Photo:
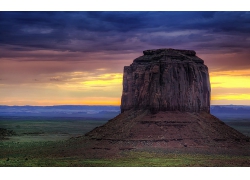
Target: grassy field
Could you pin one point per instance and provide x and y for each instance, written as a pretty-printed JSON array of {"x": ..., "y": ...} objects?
[
  {"x": 43, "y": 142},
  {"x": 54, "y": 154},
  {"x": 34, "y": 129},
  {"x": 132, "y": 159}
]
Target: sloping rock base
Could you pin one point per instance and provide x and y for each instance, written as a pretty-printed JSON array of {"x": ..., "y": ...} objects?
[
  {"x": 165, "y": 105},
  {"x": 170, "y": 129}
]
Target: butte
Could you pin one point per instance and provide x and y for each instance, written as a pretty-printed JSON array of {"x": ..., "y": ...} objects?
[{"x": 165, "y": 103}]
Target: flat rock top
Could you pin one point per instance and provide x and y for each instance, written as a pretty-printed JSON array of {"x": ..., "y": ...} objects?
[
  {"x": 169, "y": 51},
  {"x": 168, "y": 54}
]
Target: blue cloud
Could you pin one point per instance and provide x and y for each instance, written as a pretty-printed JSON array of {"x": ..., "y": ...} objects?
[{"x": 109, "y": 31}]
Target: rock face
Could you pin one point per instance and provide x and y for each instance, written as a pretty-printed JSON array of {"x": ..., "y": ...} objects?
[
  {"x": 166, "y": 80},
  {"x": 166, "y": 104}
]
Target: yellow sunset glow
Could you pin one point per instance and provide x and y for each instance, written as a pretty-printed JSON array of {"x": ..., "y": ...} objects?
[
  {"x": 86, "y": 101},
  {"x": 67, "y": 88},
  {"x": 231, "y": 97},
  {"x": 236, "y": 85},
  {"x": 227, "y": 80},
  {"x": 103, "y": 88},
  {"x": 69, "y": 101},
  {"x": 105, "y": 80}
]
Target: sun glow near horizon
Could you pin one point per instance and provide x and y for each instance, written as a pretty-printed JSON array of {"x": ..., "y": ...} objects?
[
  {"x": 230, "y": 87},
  {"x": 81, "y": 88}
]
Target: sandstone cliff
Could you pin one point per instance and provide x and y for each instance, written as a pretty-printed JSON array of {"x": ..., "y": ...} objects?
[
  {"x": 166, "y": 80},
  {"x": 166, "y": 104}
]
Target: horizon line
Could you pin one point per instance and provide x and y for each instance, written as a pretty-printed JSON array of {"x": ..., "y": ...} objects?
[{"x": 116, "y": 105}]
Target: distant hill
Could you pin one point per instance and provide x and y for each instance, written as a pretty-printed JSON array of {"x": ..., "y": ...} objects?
[
  {"x": 104, "y": 112},
  {"x": 231, "y": 109}
]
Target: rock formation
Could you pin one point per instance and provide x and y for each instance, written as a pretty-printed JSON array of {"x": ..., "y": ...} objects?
[
  {"x": 166, "y": 80},
  {"x": 166, "y": 103}
]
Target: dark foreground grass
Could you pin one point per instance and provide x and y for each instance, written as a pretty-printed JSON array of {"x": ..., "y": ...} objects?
[
  {"x": 47, "y": 154},
  {"x": 133, "y": 159}
]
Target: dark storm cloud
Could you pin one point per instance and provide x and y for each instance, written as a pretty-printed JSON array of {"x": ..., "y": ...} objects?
[{"x": 123, "y": 31}]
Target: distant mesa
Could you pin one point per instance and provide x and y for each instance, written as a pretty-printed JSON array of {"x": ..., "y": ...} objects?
[{"x": 166, "y": 103}]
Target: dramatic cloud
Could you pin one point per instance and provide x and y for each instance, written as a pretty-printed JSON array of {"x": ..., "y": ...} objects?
[
  {"x": 109, "y": 31},
  {"x": 83, "y": 50}
]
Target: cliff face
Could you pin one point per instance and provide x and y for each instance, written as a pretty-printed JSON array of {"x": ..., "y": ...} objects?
[{"x": 166, "y": 80}]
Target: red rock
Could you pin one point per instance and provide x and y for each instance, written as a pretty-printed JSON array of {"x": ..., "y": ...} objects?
[
  {"x": 166, "y": 80},
  {"x": 166, "y": 104}
]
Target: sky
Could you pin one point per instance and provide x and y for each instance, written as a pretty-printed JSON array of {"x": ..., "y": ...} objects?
[{"x": 55, "y": 58}]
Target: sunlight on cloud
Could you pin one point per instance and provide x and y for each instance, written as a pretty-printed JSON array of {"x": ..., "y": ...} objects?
[
  {"x": 232, "y": 97},
  {"x": 68, "y": 101},
  {"x": 104, "y": 80},
  {"x": 230, "y": 79},
  {"x": 88, "y": 81},
  {"x": 244, "y": 72},
  {"x": 101, "y": 69},
  {"x": 236, "y": 85},
  {"x": 85, "y": 101},
  {"x": 102, "y": 101},
  {"x": 91, "y": 88}
]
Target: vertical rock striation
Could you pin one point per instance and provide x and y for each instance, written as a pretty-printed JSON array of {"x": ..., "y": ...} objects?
[{"x": 166, "y": 80}]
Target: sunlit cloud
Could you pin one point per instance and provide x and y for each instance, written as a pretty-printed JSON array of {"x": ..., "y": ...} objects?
[
  {"x": 101, "y": 69},
  {"x": 232, "y": 96},
  {"x": 230, "y": 79},
  {"x": 66, "y": 88},
  {"x": 105, "y": 81},
  {"x": 230, "y": 86},
  {"x": 68, "y": 101},
  {"x": 243, "y": 73}
]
